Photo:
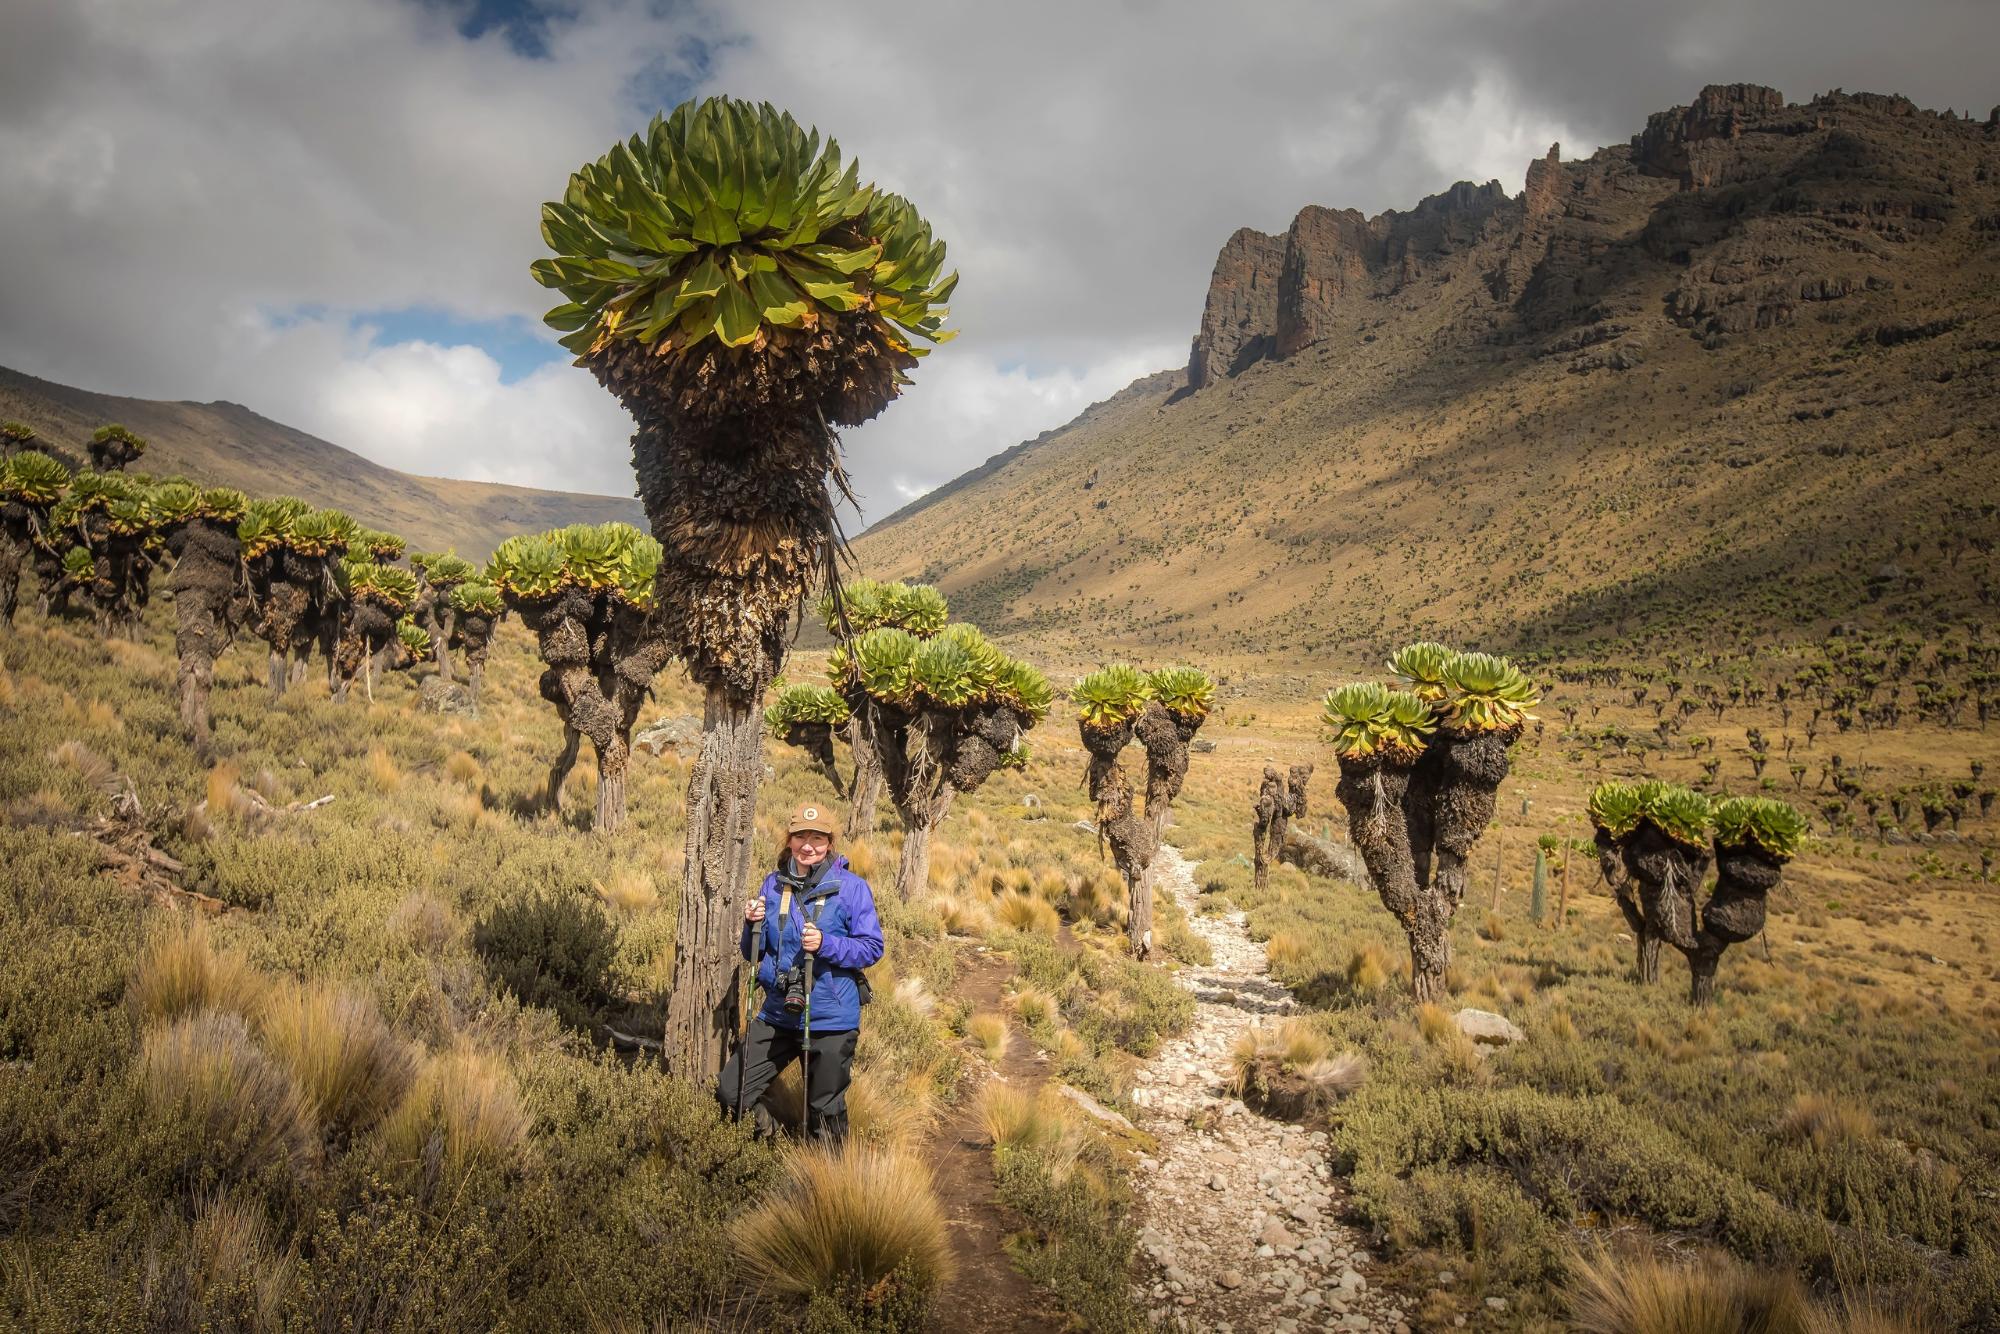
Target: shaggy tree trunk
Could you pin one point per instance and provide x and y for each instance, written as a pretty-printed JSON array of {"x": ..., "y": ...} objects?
[
  {"x": 721, "y": 822},
  {"x": 913, "y": 868},
  {"x": 1271, "y": 802},
  {"x": 204, "y": 583},
  {"x": 13, "y": 554},
  {"x": 1388, "y": 816},
  {"x": 1428, "y": 925},
  {"x": 472, "y": 634},
  {"x": 612, "y": 762},
  {"x": 1649, "y": 955},
  {"x": 1129, "y": 835},
  {"x": 560, "y": 770},
  {"x": 867, "y": 786},
  {"x": 1165, "y": 734}
]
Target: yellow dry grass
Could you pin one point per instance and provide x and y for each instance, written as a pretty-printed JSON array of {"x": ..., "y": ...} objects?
[{"x": 847, "y": 1219}]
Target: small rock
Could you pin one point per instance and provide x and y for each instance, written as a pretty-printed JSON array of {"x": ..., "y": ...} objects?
[
  {"x": 679, "y": 734},
  {"x": 1486, "y": 1026},
  {"x": 1266, "y": 1251},
  {"x": 1276, "y": 1233},
  {"x": 446, "y": 698},
  {"x": 1351, "y": 1281},
  {"x": 1446, "y": 1277},
  {"x": 1496, "y": 1303},
  {"x": 1230, "y": 1278},
  {"x": 1218, "y": 1182}
]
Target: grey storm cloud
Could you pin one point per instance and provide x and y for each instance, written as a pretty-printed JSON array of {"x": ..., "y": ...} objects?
[{"x": 206, "y": 199}]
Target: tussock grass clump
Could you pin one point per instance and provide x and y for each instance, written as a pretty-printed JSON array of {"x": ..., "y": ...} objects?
[
  {"x": 462, "y": 1110},
  {"x": 862, "y": 1225},
  {"x": 85, "y": 763},
  {"x": 181, "y": 972},
  {"x": 1826, "y": 1121},
  {"x": 1435, "y": 1023},
  {"x": 350, "y": 1068},
  {"x": 242, "y": 1109},
  {"x": 1033, "y": 1006},
  {"x": 1016, "y": 1121},
  {"x": 888, "y": 1111},
  {"x": 1716, "y": 1294},
  {"x": 628, "y": 891},
  {"x": 384, "y": 774},
  {"x": 1289, "y": 1070},
  {"x": 1368, "y": 969},
  {"x": 1493, "y": 928},
  {"x": 963, "y": 916},
  {"x": 425, "y": 923},
  {"x": 235, "y": 1264},
  {"x": 1028, "y": 912},
  {"x": 916, "y": 993},
  {"x": 463, "y": 770},
  {"x": 990, "y": 1031}
]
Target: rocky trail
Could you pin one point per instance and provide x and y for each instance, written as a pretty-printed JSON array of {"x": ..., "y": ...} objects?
[{"x": 1238, "y": 1214}]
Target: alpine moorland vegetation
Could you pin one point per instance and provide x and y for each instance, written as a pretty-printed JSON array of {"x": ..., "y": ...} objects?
[
  {"x": 1655, "y": 844},
  {"x": 210, "y": 588},
  {"x": 31, "y": 484},
  {"x": 740, "y": 290},
  {"x": 1420, "y": 769},
  {"x": 587, "y": 593},
  {"x": 1109, "y": 703},
  {"x": 856, "y": 606},
  {"x": 941, "y": 715}
]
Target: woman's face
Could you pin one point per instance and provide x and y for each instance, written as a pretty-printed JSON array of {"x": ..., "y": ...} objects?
[{"x": 810, "y": 847}]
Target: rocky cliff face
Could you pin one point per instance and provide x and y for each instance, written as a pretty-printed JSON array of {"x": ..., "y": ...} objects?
[{"x": 1755, "y": 209}]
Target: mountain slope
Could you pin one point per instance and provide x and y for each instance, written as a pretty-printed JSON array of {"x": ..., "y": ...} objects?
[
  {"x": 1738, "y": 377},
  {"x": 229, "y": 445}
]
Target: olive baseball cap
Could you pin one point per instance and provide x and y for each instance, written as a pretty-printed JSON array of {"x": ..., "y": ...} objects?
[{"x": 813, "y": 817}]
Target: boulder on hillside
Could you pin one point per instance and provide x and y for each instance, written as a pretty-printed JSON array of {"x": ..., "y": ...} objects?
[
  {"x": 446, "y": 698},
  {"x": 1319, "y": 856},
  {"x": 682, "y": 735},
  {"x": 1486, "y": 1027}
]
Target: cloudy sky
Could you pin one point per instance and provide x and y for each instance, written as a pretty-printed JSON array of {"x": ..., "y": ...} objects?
[{"x": 325, "y": 209}]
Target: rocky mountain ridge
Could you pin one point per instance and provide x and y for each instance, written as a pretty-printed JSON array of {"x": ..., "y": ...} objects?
[{"x": 1740, "y": 370}]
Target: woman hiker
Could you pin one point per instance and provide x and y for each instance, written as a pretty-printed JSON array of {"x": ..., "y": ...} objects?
[{"x": 819, "y": 930}]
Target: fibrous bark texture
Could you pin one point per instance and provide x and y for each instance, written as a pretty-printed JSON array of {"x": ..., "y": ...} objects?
[
  {"x": 600, "y": 655},
  {"x": 867, "y": 787},
  {"x": 1415, "y": 820},
  {"x": 1130, "y": 837},
  {"x": 294, "y": 594},
  {"x": 207, "y": 584},
  {"x": 1165, "y": 734},
  {"x": 927, "y": 756},
  {"x": 472, "y": 635},
  {"x": 1668, "y": 875}
]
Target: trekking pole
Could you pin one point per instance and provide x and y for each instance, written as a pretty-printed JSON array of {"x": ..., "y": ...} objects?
[
  {"x": 806, "y": 1056},
  {"x": 743, "y": 1034}
]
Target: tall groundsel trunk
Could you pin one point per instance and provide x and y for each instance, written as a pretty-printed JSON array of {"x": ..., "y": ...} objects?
[
  {"x": 721, "y": 829},
  {"x": 205, "y": 579},
  {"x": 743, "y": 515},
  {"x": 867, "y": 788}
]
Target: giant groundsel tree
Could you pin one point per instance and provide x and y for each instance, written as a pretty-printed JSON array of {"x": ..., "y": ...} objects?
[
  {"x": 942, "y": 714},
  {"x": 1420, "y": 770},
  {"x": 731, "y": 279},
  {"x": 1179, "y": 700},
  {"x": 854, "y": 608},
  {"x": 31, "y": 485},
  {"x": 211, "y": 592},
  {"x": 1109, "y": 704},
  {"x": 1655, "y": 844},
  {"x": 587, "y": 594}
]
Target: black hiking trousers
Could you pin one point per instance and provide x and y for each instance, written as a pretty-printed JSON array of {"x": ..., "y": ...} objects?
[{"x": 767, "y": 1049}]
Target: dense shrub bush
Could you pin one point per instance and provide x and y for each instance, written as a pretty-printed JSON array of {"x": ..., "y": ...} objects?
[{"x": 554, "y": 949}]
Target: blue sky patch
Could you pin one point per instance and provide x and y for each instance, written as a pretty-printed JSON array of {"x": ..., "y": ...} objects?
[{"x": 516, "y": 343}]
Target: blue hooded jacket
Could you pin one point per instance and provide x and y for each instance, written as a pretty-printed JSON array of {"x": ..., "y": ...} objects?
[{"x": 851, "y": 940}]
